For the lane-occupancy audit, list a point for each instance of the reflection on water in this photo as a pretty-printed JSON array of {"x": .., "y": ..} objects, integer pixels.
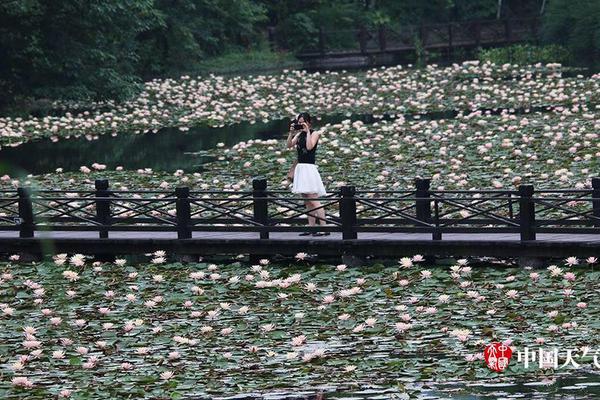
[
  {"x": 577, "y": 385},
  {"x": 386, "y": 366},
  {"x": 168, "y": 149},
  {"x": 571, "y": 386}
]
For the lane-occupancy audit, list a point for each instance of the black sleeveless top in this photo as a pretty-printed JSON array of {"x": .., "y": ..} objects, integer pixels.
[{"x": 305, "y": 156}]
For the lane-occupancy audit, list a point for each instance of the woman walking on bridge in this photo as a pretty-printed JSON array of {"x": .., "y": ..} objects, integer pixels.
[{"x": 307, "y": 180}]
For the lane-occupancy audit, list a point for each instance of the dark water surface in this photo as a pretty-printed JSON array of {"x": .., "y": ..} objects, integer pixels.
[
  {"x": 170, "y": 149},
  {"x": 167, "y": 150},
  {"x": 580, "y": 385}
]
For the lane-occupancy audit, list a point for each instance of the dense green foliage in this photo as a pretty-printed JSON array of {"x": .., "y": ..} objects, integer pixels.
[
  {"x": 575, "y": 24},
  {"x": 526, "y": 54},
  {"x": 298, "y": 21},
  {"x": 193, "y": 30},
  {"x": 71, "y": 48},
  {"x": 243, "y": 61},
  {"x": 100, "y": 49}
]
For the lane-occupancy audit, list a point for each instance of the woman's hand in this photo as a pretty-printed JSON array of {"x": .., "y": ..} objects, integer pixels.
[
  {"x": 291, "y": 142},
  {"x": 290, "y": 135},
  {"x": 305, "y": 127}
]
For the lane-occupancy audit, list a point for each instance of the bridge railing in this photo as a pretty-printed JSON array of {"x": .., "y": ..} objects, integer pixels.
[
  {"x": 575, "y": 209},
  {"x": 348, "y": 211},
  {"x": 9, "y": 203},
  {"x": 437, "y": 211},
  {"x": 363, "y": 40}
]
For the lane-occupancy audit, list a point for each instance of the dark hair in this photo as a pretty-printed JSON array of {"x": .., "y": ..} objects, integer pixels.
[{"x": 306, "y": 117}]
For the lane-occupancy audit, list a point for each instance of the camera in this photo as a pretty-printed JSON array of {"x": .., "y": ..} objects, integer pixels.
[{"x": 296, "y": 125}]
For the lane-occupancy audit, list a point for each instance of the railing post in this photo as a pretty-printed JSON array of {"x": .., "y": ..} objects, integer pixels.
[
  {"x": 348, "y": 212},
  {"x": 422, "y": 34},
  {"x": 321, "y": 41},
  {"x": 102, "y": 206},
  {"x": 423, "y": 204},
  {"x": 261, "y": 211},
  {"x": 477, "y": 28},
  {"x": 596, "y": 201},
  {"x": 437, "y": 235},
  {"x": 271, "y": 38},
  {"x": 183, "y": 212},
  {"x": 507, "y": 30},
  {"x": 362, "y": 39},
  {"x": 25, "y": 213},
  {"x": 450, "y": 50},
  {"x": 535, "y": 29},
  {"x": 382, "y": 38},
  {"x": 526, "y": 212}
]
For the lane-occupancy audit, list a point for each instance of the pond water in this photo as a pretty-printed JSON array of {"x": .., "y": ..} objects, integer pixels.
[
  {"x": 187, "y": 309},
  {"x": 168, "y": 149},
  {"x": 421, "y": 363},
  {"x": 577, "y": 386},
  {"x": 581, "y": 386}
]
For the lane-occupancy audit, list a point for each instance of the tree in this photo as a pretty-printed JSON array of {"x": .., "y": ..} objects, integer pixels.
[
  {"x": 97, "y": 49},
  {"x": 576, "y": 25},
  {"x": 197, "y": 29},
  {"x": 71, "y": 48}
]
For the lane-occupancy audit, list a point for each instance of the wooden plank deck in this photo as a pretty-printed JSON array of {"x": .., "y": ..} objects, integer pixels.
[{"x": 290, "y": 243}]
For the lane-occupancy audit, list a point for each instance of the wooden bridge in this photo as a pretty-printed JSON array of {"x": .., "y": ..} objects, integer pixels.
[
  {"x": 382, "y": 43},
  {"x": 495, "y": 223}
]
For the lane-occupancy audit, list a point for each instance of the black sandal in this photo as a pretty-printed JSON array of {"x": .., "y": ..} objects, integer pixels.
[
  {"x": 304, "y": 234},
  {"x": 318, "y": 234}
]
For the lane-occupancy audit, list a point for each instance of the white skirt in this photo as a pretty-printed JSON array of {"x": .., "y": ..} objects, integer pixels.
[{"x": 307, "y": 180}]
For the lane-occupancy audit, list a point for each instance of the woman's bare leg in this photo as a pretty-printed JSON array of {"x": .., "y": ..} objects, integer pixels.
[
  {"x": 309, "y": 206},
  {"x": 319, "y": 212}
]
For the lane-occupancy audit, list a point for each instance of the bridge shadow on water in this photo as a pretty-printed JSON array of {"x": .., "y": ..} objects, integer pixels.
[{"x": 169, "y": 149}]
